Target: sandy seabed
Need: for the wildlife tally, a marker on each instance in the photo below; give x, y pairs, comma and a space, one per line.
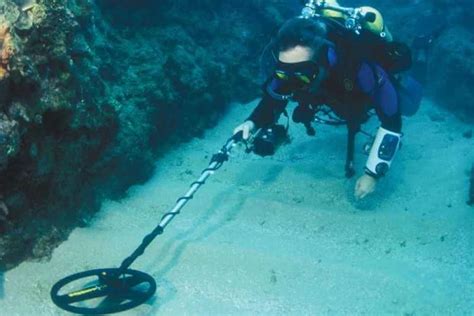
283, 234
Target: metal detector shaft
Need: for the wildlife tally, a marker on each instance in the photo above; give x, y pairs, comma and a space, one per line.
189, 195
216, 162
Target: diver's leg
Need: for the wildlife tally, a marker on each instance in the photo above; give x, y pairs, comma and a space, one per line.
351, 134
304, 114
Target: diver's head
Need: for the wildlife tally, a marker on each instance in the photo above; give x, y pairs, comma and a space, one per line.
300, 55
300, 40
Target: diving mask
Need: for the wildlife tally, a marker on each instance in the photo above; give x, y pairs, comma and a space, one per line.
297, 74
290, 77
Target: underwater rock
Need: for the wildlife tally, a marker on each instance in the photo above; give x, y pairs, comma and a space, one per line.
25, 5
4, 211
27, 14
9, 140
25, 22
17, 111
454, 58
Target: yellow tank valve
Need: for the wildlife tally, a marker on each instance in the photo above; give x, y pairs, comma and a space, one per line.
373, 22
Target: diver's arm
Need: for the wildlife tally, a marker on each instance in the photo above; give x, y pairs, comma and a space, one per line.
268, 109
376, 83
265, 114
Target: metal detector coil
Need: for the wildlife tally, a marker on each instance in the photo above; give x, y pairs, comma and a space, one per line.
112, 291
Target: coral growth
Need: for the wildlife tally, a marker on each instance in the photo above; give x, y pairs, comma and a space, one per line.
9, 140
6, 50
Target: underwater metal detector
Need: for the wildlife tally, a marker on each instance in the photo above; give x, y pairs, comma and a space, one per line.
106, 291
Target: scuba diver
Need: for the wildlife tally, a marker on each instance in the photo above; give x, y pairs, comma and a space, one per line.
341, 61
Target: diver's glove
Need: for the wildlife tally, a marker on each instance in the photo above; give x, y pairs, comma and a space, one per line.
382, 153
247, 128
365, 185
